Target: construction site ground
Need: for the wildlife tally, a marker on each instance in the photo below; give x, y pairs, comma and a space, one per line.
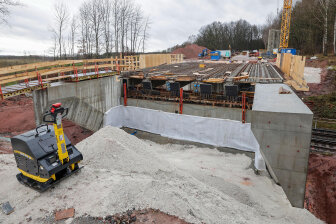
17, 116
122, 172
327, 79
235, 188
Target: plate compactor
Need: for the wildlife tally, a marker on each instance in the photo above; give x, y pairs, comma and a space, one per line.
45, 156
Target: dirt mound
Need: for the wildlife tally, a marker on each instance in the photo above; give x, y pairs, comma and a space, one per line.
190, 51
316, 63
321, 187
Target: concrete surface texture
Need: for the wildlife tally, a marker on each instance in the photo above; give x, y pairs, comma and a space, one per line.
87, 100
191, 109
312, 75
282, 125
267, 98
121, 172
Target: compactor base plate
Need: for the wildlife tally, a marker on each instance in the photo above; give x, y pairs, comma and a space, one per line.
41, 187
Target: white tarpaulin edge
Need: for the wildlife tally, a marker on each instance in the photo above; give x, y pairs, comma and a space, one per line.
212, 131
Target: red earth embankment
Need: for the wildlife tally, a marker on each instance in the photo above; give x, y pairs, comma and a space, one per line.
17, 116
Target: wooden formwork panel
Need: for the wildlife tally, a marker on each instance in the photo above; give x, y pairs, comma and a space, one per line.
293, 67
152, 60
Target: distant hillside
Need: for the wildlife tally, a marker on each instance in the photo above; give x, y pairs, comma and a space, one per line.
8, 60
190, 51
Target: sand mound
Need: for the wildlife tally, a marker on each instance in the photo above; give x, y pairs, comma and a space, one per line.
122, 172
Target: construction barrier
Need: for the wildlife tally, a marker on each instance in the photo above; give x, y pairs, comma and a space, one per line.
152, 60
211, 131
293, 67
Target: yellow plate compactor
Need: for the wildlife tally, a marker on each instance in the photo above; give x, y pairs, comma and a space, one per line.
45, 156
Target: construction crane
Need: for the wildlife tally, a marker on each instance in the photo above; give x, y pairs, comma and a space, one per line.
285, 24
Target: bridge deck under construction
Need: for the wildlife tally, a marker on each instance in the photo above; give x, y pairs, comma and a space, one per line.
29, 86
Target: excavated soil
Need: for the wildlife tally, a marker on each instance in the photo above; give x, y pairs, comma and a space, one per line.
190, 51
17, 116
321, 187
144, 216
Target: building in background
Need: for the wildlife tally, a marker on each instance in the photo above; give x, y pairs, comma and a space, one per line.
273, 40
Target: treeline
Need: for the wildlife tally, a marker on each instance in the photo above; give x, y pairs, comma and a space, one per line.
239, 35
313, 26
312, 31
100, 27
9, 60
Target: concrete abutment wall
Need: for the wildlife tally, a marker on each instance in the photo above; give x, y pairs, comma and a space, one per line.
191, 109
87, 100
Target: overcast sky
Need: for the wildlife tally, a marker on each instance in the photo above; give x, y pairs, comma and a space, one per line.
172, 21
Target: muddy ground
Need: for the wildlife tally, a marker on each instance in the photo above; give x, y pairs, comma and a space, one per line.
328, 78
321, 187
144, 216
17, 116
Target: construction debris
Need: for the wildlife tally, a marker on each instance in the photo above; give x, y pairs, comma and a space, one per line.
7, 208
284, 91
64, 214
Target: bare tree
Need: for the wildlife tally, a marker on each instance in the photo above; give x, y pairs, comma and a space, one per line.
145, 35
124, 15
106, 11
72, 37
53, 49
136, 26
84, 28
5, 6
61, 17
116, 22
334, 36
102, 25
324, 8
96, 19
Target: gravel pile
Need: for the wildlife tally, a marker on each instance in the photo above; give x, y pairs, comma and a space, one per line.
123, 172
312, 75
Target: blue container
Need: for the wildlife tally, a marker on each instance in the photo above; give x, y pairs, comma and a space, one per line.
288, 50
215, 55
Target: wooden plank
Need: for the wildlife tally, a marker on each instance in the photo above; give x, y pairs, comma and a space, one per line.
25, 67
125, 65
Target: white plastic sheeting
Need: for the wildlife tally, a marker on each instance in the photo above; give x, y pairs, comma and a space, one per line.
212, 131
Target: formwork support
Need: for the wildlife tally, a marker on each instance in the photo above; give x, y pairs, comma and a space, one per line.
2, 97
181, 100
26, 82
97, 71
243, 107
125, 94
39, 78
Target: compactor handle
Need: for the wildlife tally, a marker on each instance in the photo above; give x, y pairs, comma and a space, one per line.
51, 115
37, 133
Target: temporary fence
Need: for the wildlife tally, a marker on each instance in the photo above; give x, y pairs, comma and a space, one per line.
293, 67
